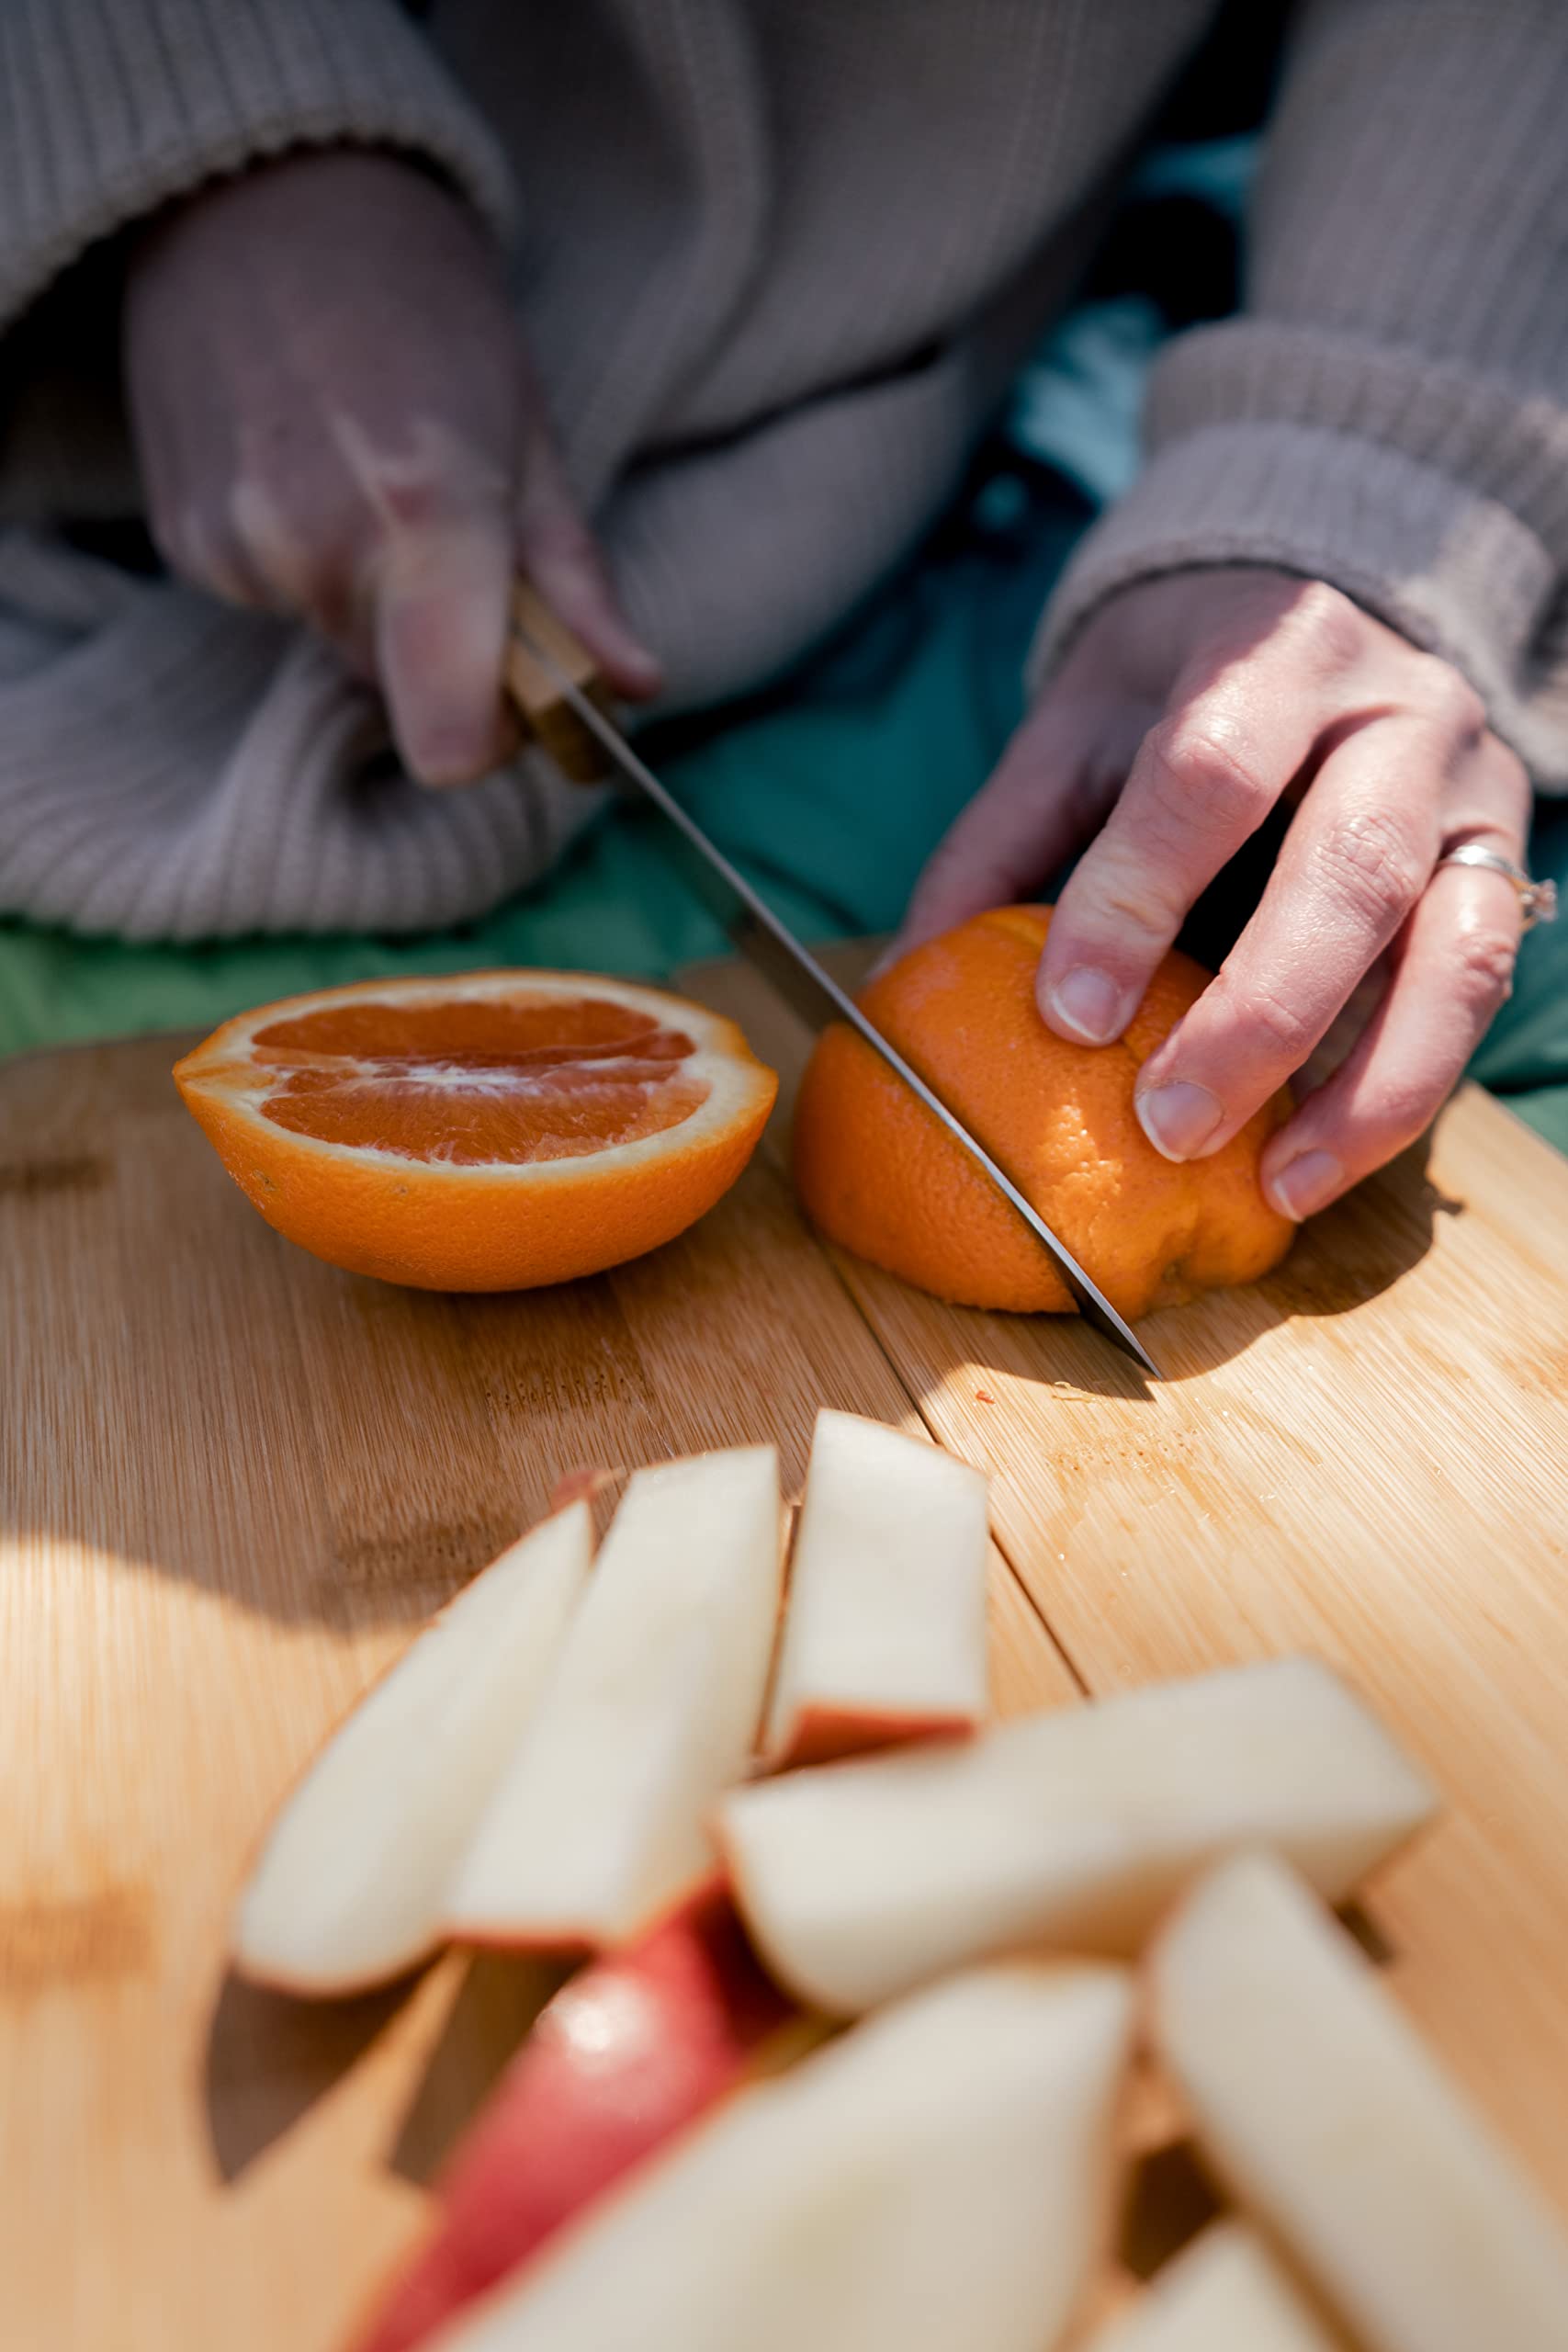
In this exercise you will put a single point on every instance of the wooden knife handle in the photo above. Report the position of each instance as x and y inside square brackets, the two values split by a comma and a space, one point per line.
[548, 719]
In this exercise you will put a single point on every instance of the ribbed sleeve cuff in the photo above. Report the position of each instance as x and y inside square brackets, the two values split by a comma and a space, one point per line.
[1268, 448]
[110, 108]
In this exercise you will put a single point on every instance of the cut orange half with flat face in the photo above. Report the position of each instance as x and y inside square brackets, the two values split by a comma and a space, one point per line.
[490, 1131]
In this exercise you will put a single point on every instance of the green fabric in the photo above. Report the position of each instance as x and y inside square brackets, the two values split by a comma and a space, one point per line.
[830, 789]
[827, 791]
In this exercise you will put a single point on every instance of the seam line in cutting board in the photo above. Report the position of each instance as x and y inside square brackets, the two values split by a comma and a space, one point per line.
[782, 1038]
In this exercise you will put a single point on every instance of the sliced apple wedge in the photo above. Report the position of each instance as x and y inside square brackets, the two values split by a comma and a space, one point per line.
[1072, 1829]
[886, 1635]
[600, 1820]
[936, 2181]
[633, 2052]
[351, 1884]
[1226, 2293]
[1314, 2095]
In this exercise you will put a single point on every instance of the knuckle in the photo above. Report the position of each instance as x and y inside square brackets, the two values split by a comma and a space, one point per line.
[1373, 867]
[1133, 920]
[410, 503]
[1327, 624]
[1449, 700]
[1404, 1110]
[1288, 1028]
[1201, 776]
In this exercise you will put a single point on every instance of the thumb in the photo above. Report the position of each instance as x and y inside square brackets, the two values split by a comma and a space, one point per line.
[440, 597]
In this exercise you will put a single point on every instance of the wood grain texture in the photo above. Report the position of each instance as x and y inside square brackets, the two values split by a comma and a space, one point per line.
[232, 1483]
[1365, 1456]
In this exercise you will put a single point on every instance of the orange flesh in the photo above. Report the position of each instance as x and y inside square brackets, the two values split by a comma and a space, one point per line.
[475, 1083]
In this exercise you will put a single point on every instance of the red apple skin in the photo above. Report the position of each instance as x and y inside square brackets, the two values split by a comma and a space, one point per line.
[631, 2051]
[826, 1735]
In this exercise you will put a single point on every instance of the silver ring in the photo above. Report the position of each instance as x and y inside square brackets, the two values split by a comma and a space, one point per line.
[1537, 901]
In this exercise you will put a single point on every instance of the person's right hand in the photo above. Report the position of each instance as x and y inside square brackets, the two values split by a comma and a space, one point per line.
[335, 418]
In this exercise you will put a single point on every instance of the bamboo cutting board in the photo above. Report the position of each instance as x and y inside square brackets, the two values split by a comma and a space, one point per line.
[232, 1481]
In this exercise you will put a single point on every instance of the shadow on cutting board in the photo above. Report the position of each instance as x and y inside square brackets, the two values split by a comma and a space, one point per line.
[1340, 1260]
[183, 1390]
[500, 1999]
[271, 2059]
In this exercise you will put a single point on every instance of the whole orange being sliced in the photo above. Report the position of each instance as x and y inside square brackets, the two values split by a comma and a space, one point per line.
[880, 1175]
[490, 1131]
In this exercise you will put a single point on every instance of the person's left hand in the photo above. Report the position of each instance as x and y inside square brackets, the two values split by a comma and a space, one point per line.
[1187, 709]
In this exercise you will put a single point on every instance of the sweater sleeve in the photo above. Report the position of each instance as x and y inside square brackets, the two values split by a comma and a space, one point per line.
[1390, 411]
[110, 108]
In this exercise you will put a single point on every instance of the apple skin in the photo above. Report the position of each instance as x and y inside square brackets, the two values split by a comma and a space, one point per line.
[636, 2048]
[940, 2179]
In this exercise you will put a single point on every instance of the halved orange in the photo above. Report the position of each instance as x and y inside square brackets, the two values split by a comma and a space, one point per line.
[489, 1131]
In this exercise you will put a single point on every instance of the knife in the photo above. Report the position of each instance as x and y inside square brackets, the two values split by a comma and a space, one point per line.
[553, 680]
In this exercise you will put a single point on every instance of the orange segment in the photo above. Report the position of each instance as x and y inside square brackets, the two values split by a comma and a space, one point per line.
[489, 1132]
[879, 1174]
[528, 1079]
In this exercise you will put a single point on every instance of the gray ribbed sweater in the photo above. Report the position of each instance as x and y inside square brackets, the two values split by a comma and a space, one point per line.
[776, 258]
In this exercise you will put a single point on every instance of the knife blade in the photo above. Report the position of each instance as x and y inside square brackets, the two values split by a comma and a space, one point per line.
[768, 943]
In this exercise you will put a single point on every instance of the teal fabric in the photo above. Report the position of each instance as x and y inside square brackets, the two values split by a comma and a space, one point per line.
[828, 790]
[1524, 1057]
[1077, 402]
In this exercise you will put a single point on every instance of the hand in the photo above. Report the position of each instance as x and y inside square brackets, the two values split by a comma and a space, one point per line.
[1189, 707]
[336, 418]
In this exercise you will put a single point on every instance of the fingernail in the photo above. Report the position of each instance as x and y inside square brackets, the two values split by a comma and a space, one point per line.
[1305, 1184]
[1178, 1119]
[1090, 1005]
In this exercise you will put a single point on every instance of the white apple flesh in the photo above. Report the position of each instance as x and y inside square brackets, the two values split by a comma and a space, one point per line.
[600, 1820]
[937, 2181]
[886, 1635]
[1316, 2099]
[1071, 1830]
[1225, 2294]
[351, 1884]
[634, 2050]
